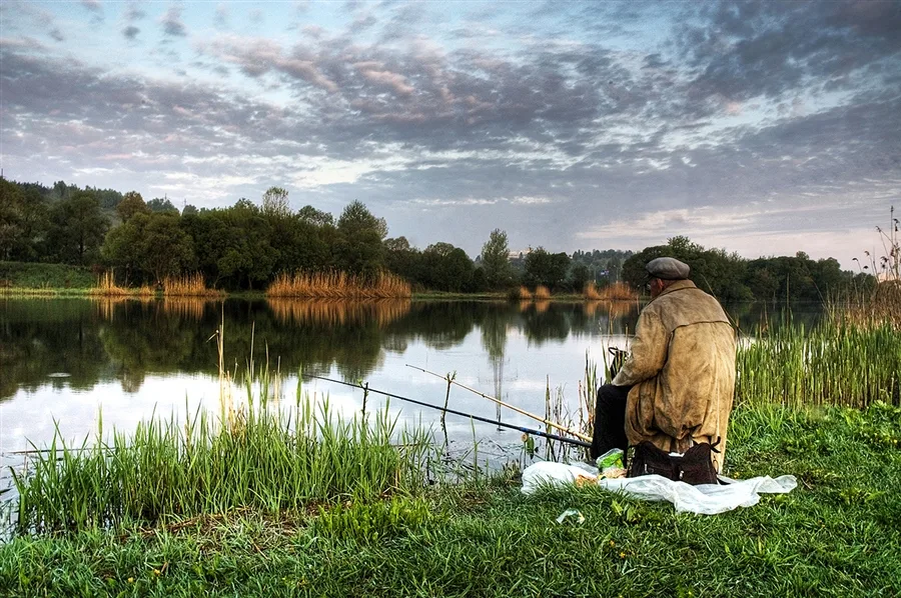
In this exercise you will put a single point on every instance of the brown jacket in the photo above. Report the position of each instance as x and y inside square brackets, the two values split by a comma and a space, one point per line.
[682, 367]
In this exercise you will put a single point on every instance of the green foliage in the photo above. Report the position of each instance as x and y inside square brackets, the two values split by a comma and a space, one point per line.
[495, 260]
[370, 522]
[732, 278]
[835, 363]
[149, 246]
[77, 229]
[275, 202]
[245, 247]
[132, 204]
[545, 268]
[834, 535]
[162, 204]
[447, 268]
[315, 217]
[358, 248]
[257, 458]
[45, 276]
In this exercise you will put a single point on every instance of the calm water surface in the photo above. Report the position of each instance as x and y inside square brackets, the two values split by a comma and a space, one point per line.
[63, 362]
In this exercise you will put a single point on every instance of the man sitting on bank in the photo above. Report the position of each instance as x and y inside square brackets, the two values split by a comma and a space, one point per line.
[676, 387]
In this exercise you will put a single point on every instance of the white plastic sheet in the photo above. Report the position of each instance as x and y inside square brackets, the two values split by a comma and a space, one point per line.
[705, 499]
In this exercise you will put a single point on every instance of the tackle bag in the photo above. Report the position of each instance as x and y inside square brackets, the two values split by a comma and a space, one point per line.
[692, 467]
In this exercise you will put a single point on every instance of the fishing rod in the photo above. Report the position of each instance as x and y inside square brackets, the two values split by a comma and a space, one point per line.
[455, 412]
[507, 405]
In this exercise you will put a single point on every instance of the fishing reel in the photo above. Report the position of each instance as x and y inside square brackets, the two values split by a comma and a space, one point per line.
[617, 359]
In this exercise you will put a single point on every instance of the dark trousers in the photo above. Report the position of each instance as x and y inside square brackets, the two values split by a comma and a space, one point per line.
[609, 420]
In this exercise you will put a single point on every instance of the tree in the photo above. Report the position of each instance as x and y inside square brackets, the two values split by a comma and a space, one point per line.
[447, 268]
[165, 249]
[161, 204]
[397, 244]
[77, 229]
[359, 248]
[578, 276]
[275, 202]
[545, 268]
[356, 219]
[122, 247]
[11, 215]
[314, 216]
[132, 203]
[495, 260]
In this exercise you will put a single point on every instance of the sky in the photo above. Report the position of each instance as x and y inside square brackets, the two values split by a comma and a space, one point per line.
[764, 128]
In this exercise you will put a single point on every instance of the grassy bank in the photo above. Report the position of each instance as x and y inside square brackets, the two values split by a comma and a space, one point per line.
[23, 278]
[836, 534]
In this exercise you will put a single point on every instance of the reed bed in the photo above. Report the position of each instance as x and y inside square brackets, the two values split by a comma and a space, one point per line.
[870, 308]
[836, 363]
[187, 285]
[107, 287]
[259, 459]
[524, 294]
[339, 312]
[339, 285]
[542, 292]
[617, 291]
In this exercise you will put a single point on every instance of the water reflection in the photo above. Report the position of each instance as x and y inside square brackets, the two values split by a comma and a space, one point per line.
[62, 360]
[339, 313]
[124, 340]
[94, 341]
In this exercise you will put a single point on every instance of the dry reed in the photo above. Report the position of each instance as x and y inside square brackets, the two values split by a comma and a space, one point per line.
[591, 292]
[524, 294]
[869, 309]
[618, 291]
[106, 287]
[187, 285]
[145, 291]
[541, 292]
[339, 285]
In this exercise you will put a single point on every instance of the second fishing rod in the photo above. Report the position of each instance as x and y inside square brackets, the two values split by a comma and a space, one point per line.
[367, 388]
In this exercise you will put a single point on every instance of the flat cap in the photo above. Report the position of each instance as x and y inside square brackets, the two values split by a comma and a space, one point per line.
[667, 268]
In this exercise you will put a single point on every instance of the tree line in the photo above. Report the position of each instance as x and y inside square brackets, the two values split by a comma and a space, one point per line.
[244, 246]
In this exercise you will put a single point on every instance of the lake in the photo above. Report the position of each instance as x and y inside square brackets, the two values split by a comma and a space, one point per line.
[66, 362]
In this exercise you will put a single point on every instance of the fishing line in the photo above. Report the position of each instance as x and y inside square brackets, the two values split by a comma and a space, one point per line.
[455, 412]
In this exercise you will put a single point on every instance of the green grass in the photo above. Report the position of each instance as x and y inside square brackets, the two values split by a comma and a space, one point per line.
[835, 363]
[837, 534]
[23, 278]
[267, 460]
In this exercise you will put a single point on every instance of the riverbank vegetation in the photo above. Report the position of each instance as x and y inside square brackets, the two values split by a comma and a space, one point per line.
[339, 285]
[382, 530]
[249, 245]
[281, 499]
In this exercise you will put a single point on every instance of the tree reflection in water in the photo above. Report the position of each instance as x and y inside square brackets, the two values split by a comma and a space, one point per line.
[124, 340]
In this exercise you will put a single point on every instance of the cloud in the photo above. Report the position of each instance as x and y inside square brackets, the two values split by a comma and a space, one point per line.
[559, 134]
[134, 13]
[221, 17]
[131, 32]
[172, 23]
[92, 5]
